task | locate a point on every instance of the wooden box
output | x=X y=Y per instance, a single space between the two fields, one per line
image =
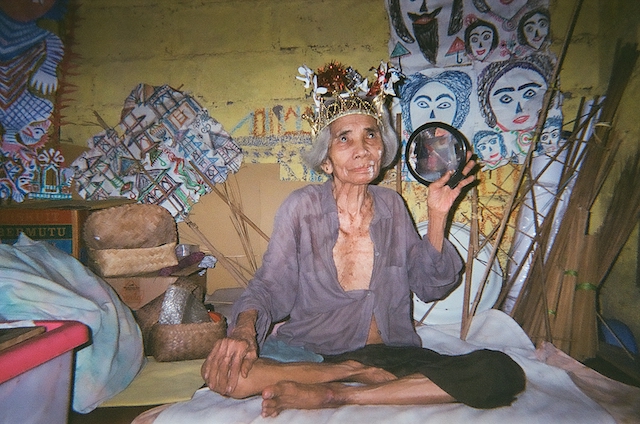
x=60 y=227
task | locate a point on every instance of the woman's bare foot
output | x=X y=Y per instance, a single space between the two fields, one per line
x=292 y=395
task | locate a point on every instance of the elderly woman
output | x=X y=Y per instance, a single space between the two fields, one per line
x=339 y=270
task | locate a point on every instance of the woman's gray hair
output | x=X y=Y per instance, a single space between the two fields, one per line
x=320 y=148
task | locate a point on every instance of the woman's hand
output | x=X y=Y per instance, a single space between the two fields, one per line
x=440 y=200
x=232 y=357
x=441 y=197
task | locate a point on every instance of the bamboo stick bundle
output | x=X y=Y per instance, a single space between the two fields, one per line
x=545 y=314
x=578 y=308
x=584 y=326
x=538 y=302
x=573 y=151
x=543 y=237
x=552 y=278
x=602 y=249
x=552 y=283
x=567 y=277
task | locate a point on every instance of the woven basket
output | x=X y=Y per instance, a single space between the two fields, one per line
x=128 y=262
x=130 y=239
x=180 y=342
x=177 y=342
x=147 y=317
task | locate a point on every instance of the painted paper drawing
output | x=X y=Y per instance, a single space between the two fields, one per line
x=169 y=147
x=29 y=60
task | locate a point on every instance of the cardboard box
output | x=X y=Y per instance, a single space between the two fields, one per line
x=137 y=291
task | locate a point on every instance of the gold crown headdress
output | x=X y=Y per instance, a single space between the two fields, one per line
x=339 y=91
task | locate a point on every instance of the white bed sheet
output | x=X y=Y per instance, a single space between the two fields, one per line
x=550 y=395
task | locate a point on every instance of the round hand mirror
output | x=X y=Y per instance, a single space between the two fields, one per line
x=434 y=149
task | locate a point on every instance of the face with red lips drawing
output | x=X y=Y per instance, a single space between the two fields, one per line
x=516 y=99
x=481 y=41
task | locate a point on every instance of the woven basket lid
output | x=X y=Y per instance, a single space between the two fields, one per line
x=130 y=226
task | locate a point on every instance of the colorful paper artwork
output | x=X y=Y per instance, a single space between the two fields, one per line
x=158 y=154
x=29 y=59
x=482 y=66
x=444 y=33
x=277 y=135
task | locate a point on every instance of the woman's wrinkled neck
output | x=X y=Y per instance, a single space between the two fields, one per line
x=353 y=199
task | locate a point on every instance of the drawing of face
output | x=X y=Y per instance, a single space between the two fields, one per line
x=443 y=97
x=32 y=134
x=536 y=29
x=550 y=137
x=516 y=98
x=433 y=102
x=489 y=146
x=480 y=41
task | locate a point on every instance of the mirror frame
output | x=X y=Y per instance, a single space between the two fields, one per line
x=461 y=145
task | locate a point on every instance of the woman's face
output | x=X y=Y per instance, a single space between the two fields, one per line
x=432 y=102
x=516 y=99
x=355 y=150
x=480 y=40
x=536 y=29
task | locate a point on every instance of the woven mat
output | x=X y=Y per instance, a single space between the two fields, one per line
x=151 y=387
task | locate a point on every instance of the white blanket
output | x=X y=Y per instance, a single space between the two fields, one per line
x=550 y=396
x=40 y=282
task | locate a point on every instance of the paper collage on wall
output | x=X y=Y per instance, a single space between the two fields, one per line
x=30 y=57
x=482 y=66
x=163 y=152
x=277 y=135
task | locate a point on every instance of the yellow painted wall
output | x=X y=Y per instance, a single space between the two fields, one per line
x=237 y=56
x=233 y=55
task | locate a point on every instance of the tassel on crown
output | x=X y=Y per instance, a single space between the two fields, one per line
x=339 y=91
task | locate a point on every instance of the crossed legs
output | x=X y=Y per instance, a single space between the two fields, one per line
x=308 y=385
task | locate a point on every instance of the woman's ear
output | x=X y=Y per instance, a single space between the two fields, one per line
x=327 y=167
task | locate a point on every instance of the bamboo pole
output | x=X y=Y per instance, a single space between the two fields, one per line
x=472 y=250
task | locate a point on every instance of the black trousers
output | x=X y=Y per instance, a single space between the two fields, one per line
x=481 y=379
